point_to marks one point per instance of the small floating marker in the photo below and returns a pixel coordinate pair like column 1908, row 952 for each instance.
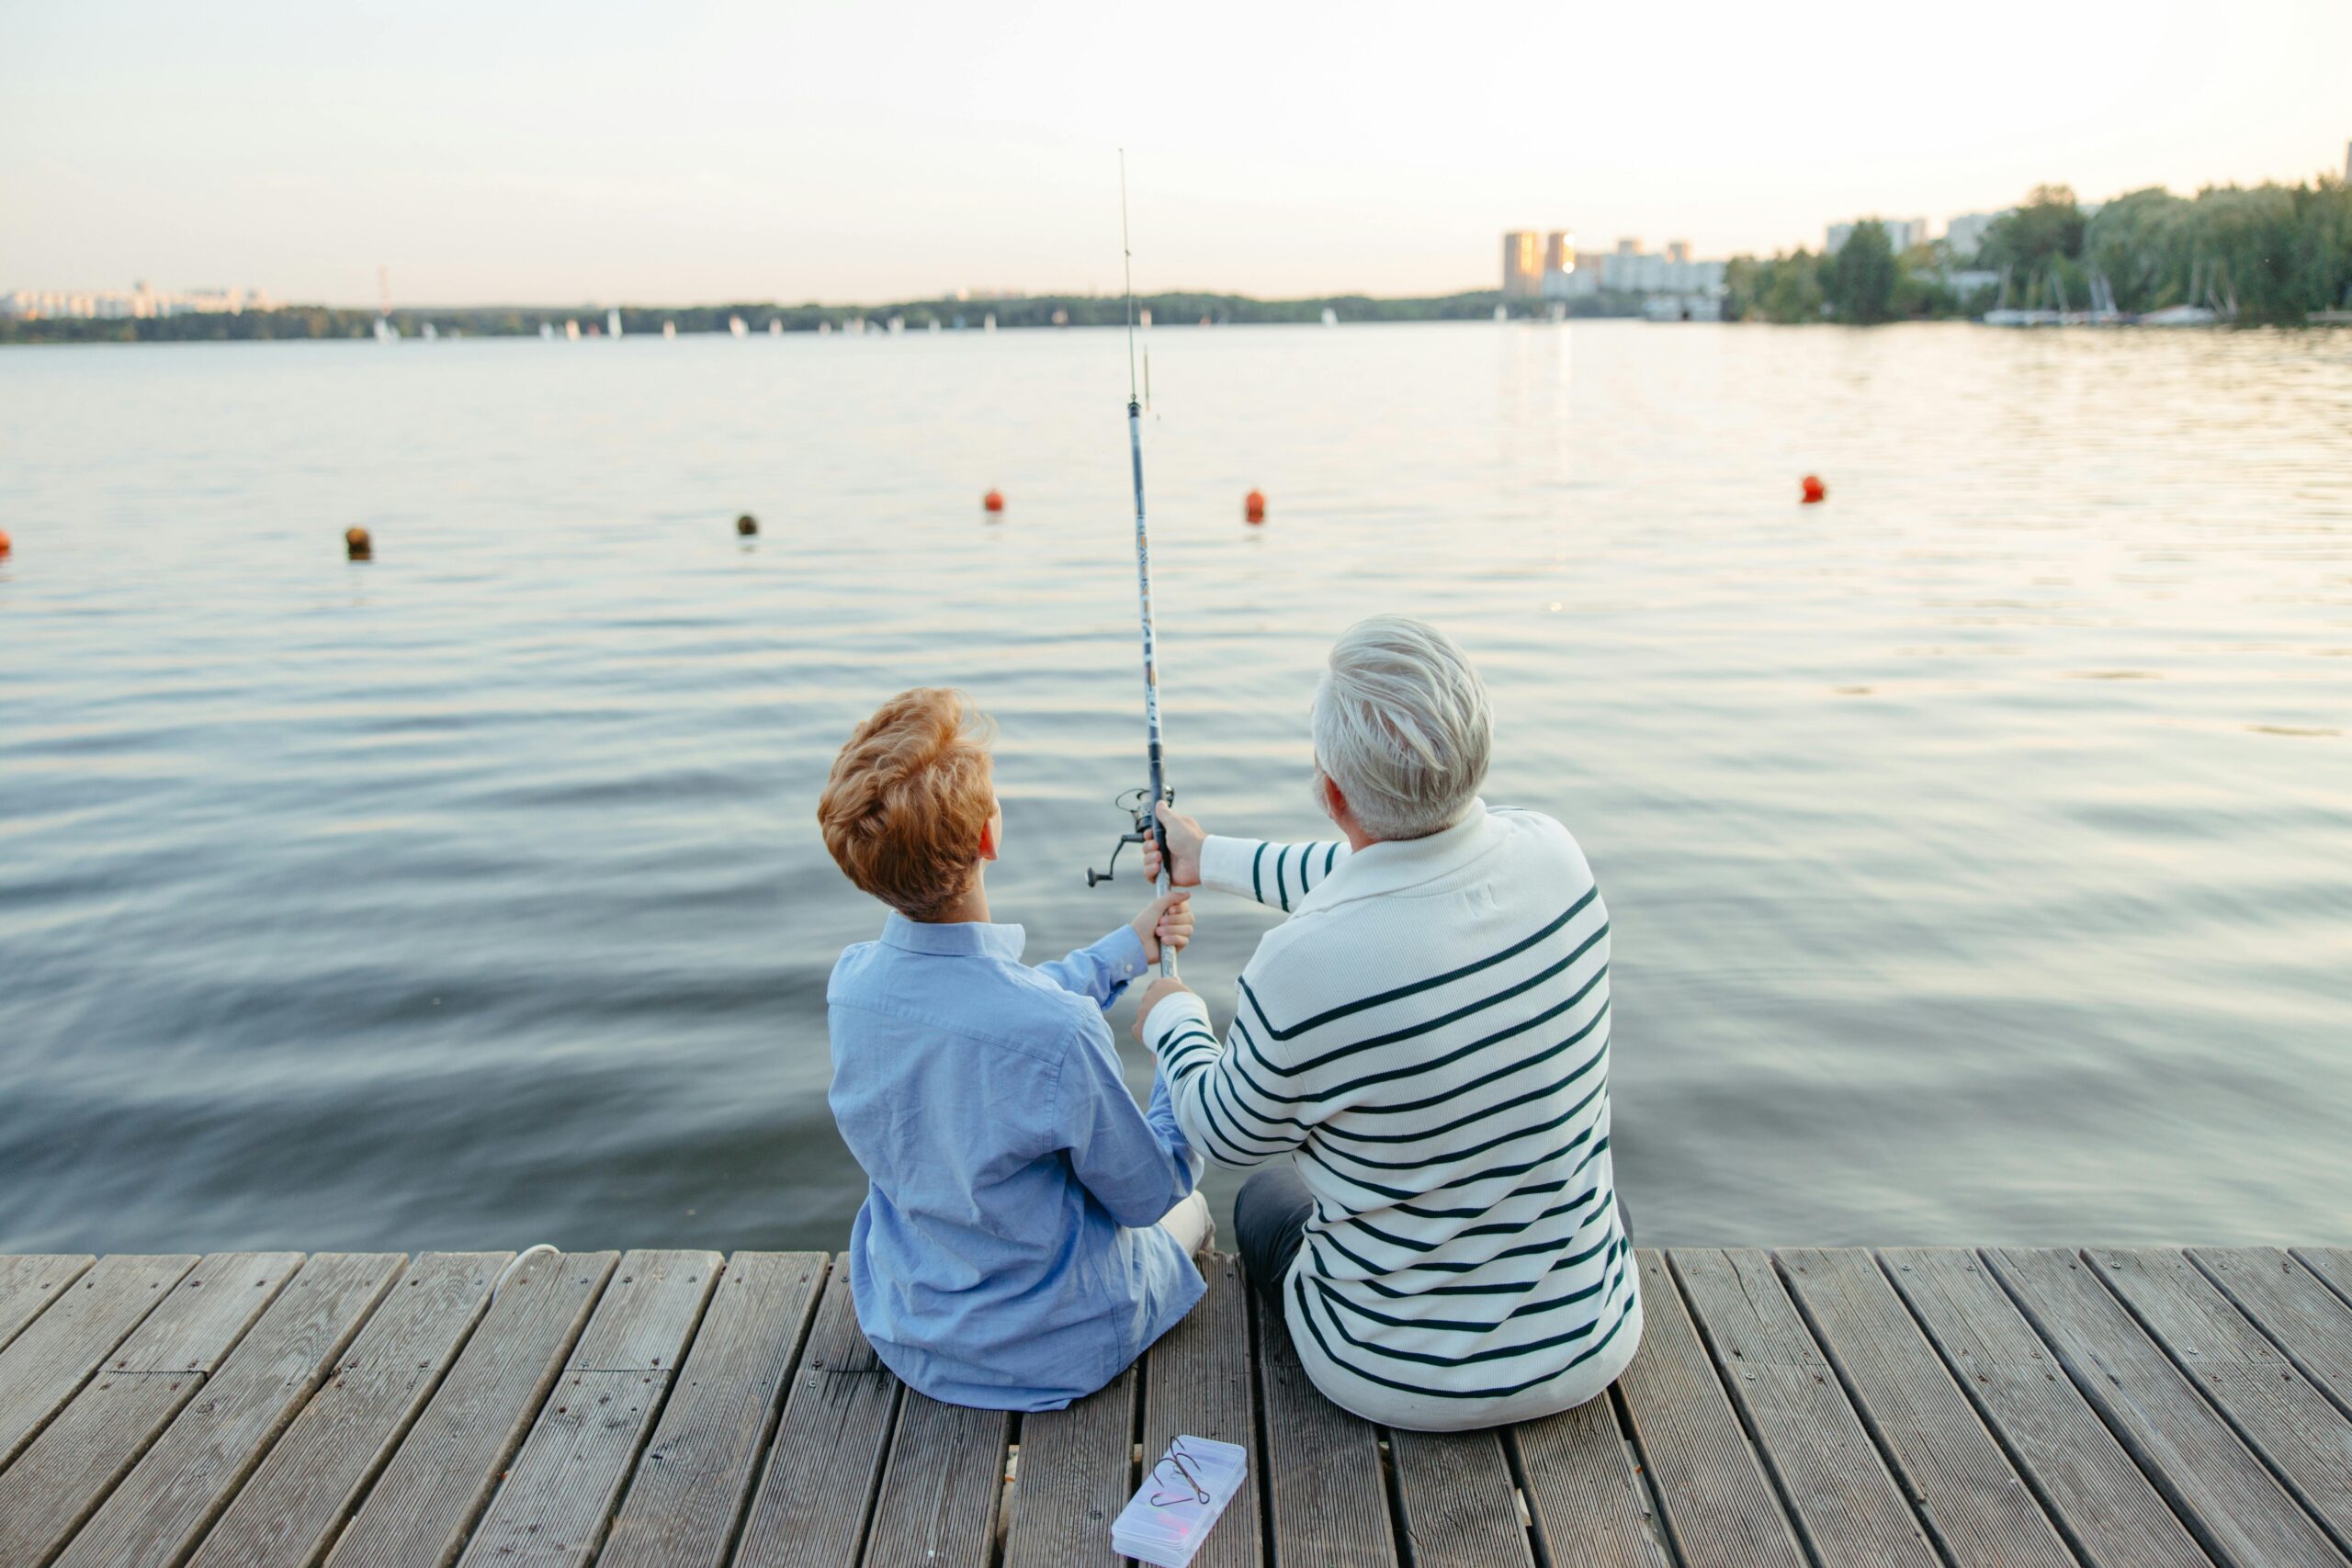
column 1814, row 490
column 6, row 544
column 747, row 526
column 993, row 501
column 358, row 545
column 1253, row 506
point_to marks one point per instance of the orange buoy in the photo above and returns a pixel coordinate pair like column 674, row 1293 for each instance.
column 358, row 545
column 993, row 501
column 1814, row 490
column 747, row 526
column 6, row 544
column 1253, row 506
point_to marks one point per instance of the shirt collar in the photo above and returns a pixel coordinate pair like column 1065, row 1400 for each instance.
column 956, row 939
column 1393, row 864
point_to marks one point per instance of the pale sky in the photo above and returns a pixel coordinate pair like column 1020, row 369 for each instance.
column 788, row 151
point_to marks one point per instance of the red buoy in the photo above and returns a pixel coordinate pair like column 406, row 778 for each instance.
column 6, row 544
column 358, row 545
column 1253, row 506
column 993, row 501
column 1814, row 490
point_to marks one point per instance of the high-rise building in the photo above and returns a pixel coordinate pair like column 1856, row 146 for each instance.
column 1534, row 264
column 1522, row 264
column 1559, row 256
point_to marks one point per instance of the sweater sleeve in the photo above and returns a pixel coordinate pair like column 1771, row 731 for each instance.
column 1231, row 1103
column 1277, row 875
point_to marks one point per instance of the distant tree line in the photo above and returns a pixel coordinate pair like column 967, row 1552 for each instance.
column 2268, row 254
column 1175, row 309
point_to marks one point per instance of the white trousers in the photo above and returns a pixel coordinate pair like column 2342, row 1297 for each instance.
column 1188, row 1221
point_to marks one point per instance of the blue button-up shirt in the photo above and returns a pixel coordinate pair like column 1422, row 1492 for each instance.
column 1008, row 1254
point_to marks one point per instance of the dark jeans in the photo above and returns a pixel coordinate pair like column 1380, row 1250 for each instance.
column 1270, row 1215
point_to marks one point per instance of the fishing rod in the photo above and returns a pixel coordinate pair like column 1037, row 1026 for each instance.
column 1142, row 803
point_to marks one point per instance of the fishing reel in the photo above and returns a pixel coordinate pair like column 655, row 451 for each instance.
column 1132, row 802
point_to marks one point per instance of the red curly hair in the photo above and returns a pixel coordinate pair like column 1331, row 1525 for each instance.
column 907, row 798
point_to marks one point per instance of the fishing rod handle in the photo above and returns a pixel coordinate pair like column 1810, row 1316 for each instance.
column 1167, row 953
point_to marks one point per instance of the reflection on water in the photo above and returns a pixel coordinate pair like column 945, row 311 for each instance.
column 1977, row 842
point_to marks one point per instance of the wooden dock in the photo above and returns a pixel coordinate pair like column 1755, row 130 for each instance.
column 1942, row 1408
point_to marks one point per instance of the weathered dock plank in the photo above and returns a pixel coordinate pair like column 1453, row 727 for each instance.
column 1964, row 1487
column 1198, row 1382
column 422, row 1507
column 182, row 1482
column 937, row 1506
column 2274, row 1410
column 2310, row 1323
column 817, row 1491
column 2227, row 1496
column 696, row 1478
column 63, row 1477
column 2102, row 1503
column 1719, row 1509
column 1844, row 1503
column 1809, row 1408
column 48, row 1362
column 1076, row 1470
column 560, row 1492
column 1587, row 1504
column 1456, row 1504
column 1325, row 1499
column 314, row 1475
column 30, row 1282
column 2332, row 1265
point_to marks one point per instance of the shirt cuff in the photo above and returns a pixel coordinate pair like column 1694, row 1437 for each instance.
column 1122, row 954
column 1225, row 864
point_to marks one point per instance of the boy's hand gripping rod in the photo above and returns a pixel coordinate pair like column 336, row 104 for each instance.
column 1144, row 802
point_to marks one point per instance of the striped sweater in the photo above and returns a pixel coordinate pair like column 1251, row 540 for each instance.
column 1427, row 1037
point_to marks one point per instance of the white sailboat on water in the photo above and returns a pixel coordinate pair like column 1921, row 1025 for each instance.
column 613, row 321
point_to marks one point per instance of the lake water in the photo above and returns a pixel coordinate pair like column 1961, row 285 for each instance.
column 1979, row 843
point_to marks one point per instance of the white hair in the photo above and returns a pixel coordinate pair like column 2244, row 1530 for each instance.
column 1401, row 723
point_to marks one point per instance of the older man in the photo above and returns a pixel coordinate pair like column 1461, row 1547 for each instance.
column 1422, row 1051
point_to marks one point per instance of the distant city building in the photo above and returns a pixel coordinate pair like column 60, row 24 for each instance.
column 1522, row 264
column 1537, row 265
column 142, row 304
column 1629, row 269
column 1964, row 235
column 1901, row 233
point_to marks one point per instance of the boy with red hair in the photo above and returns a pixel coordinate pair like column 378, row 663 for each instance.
column 1027, row 1230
